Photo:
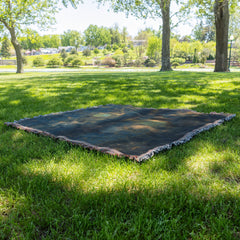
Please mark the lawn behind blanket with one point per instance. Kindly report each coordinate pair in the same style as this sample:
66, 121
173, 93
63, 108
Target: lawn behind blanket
52, 190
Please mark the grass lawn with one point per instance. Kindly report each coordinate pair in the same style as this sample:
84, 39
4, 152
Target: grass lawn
52, 190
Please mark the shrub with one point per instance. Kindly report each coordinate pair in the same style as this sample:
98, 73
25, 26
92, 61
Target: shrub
38, 62
24, 60
150, 62
203, 59
109, 48
74, 51
125, 50
126, 59
54, 62
97, 62
119, 60
86, 52
118, 52
63, 54
76, 62
138, 62
68, 60
73, 61
175, 64
96, 50
178, 60
109, 61
115, 46
105, 52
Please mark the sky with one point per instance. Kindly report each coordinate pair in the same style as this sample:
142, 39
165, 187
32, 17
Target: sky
88, 13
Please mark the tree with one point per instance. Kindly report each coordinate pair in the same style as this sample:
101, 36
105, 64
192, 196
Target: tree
51, 41
234, 25
97, 36
221, 10
205, 32
154, 48
115, 35
144, 9
72, 38
144, 35
124, 35
5, 50
31, 41
15, 15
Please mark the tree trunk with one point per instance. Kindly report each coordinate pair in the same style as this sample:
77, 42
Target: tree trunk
221, 12
165, 8
17, 48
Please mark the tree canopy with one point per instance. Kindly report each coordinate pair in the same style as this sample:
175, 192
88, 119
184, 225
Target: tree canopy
97, 36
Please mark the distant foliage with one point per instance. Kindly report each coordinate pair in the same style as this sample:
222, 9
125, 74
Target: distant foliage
63, 54
68, 60
178, 60
86, 52
105, 52
109, 62
74, 51
24, 60
138, 62
175, 64
109, 47
76, 62
54, 62
154, 48
115, 47
96, 50
150, 62
97, 62
38, 62
73, 61
119, 60
125, 50
5, 50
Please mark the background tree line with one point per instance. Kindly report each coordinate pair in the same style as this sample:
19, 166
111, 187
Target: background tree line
17, 15
195, 48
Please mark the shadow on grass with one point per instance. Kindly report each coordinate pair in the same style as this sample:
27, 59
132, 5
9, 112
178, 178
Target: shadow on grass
109, 198
45, 204
50, 208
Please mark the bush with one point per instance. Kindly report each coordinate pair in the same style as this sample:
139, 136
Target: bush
96, 50
38, 62
76, 62
109, 48
73, 61
109, 61
68, 60
175, 64
178, 60
115, 46
74, 51
24, 60
126, 59
86, 52
125, 50
150, 62
119, 60
97, 62
54, 62
138, 62
105, 52
63, 54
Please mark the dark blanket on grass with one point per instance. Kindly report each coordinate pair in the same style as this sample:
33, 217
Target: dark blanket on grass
137, 133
